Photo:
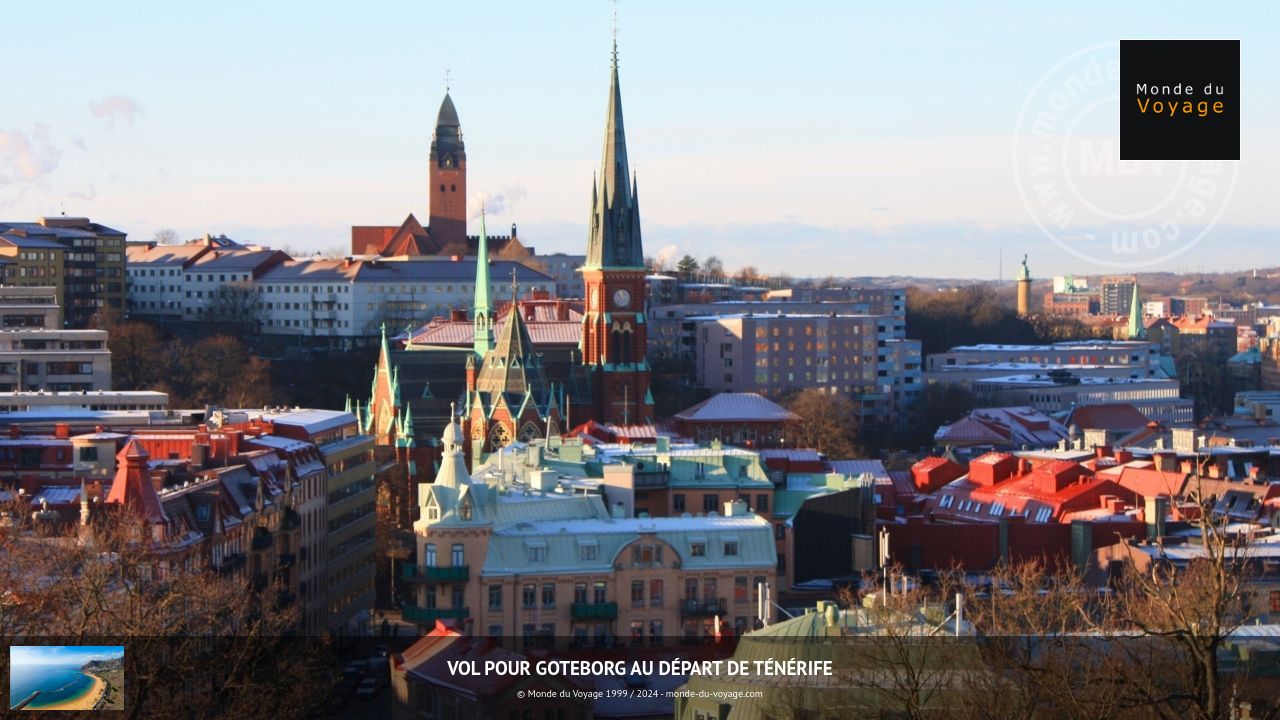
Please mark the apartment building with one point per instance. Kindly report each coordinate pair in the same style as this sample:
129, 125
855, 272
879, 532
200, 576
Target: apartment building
866, 356
540, 560
92, 276
53, 360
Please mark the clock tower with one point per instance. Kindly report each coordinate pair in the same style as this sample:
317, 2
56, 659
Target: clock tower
447, 175
614, 335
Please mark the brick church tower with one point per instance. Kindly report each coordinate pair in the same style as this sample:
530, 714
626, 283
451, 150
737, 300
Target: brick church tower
614, 336
448, 178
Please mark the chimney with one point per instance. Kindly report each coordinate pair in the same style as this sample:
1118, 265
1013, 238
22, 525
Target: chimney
14, 431
233, 441
1123, 456
199, 454
619, 511
735, 508
61, 430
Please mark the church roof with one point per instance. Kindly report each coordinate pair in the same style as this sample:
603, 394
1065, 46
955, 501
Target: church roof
448, 115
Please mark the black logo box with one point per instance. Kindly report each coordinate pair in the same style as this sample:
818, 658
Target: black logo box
1187, 68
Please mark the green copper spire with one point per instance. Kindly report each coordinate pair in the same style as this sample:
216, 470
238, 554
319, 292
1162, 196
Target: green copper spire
614, 239
1136, 330
481, 308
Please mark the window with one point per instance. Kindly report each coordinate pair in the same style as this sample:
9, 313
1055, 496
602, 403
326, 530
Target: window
1042, 515
588, 552
698, 549
655, 631
429, 558
599, 592
997, 508
741, 594
529, 596
637, 593
655, 593
537, 553
458, 595
88, 454
548, 595
677, 502
580, 592
762, 503
710, 502
731, 548
495, 597
455, 556
430, 603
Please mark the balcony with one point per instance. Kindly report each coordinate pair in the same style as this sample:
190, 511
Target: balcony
455, 574
413, 613
594, 611
704, 607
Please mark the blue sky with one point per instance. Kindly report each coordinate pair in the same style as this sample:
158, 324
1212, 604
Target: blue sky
873, 138
26, 655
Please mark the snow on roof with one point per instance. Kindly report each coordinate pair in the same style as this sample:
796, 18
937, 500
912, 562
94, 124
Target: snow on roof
737, 406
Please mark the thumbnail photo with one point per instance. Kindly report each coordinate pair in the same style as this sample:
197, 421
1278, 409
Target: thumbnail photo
66, 677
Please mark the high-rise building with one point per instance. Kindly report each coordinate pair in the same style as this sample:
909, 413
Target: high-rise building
1115, 293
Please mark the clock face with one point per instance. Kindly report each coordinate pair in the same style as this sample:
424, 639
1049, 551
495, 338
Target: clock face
621, 298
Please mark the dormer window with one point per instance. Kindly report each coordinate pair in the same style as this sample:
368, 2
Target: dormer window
464, 510
433, 513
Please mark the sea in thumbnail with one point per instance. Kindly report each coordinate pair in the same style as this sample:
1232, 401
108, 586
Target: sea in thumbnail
57, 684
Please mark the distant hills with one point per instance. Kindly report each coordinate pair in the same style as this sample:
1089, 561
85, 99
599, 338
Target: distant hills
103, 666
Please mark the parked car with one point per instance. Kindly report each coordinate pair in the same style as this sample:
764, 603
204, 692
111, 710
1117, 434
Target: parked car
368, 689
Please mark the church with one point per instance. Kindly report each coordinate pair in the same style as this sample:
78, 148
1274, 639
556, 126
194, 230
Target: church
507, 393
446, 231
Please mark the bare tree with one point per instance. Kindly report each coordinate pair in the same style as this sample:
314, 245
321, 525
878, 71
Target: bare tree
238, 306
165, 236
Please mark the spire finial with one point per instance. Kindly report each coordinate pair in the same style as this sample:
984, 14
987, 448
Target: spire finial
614, 32
448, 77
515, 289
453, 411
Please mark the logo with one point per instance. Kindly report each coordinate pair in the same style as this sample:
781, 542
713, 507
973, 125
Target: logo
1092, 201
1180, 99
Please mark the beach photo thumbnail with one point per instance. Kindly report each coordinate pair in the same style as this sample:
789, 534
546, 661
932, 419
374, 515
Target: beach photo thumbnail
66, 677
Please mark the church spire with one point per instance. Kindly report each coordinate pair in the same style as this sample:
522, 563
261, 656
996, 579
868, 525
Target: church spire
614, 240
483, 315
1136, 331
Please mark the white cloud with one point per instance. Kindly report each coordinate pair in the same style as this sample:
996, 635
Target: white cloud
495, 203
26, 160
110, 108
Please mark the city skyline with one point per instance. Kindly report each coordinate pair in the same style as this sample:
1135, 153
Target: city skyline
820, 141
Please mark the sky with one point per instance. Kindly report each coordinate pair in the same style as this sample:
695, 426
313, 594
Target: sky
809, 138
27, 655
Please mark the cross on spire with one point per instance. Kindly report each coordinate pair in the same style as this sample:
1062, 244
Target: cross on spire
448, 75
